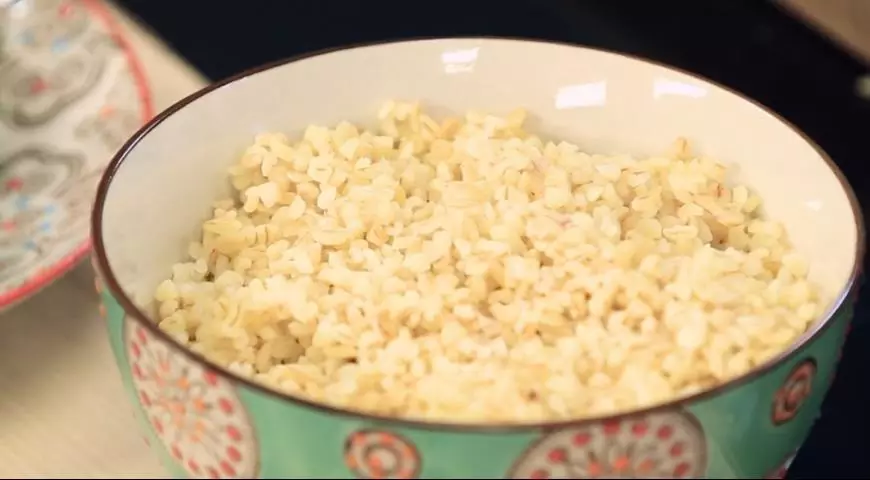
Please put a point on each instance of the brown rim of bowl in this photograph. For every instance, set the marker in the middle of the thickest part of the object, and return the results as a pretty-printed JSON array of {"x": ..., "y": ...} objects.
[{"x": 131, "y": 309}]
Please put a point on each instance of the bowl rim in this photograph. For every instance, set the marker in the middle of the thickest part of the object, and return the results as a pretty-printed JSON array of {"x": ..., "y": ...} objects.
[{"x": 848, "y": 293}]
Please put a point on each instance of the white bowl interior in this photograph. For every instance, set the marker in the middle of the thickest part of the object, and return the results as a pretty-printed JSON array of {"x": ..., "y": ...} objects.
[{"x": 604, "y": 102}]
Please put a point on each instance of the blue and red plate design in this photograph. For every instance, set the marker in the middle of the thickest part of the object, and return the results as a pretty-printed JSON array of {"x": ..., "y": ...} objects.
[{"x": 71, "y": 92}]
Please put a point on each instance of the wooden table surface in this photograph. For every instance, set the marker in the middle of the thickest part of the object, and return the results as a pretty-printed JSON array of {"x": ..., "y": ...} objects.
[{"x": 845, "y": 21}]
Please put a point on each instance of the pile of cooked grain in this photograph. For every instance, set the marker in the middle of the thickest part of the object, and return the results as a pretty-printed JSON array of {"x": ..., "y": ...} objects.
[{"x": 466, "y": 270}]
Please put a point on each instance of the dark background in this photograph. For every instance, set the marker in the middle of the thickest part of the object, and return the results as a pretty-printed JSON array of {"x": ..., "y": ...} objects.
[{"x": 749, "y": 45}]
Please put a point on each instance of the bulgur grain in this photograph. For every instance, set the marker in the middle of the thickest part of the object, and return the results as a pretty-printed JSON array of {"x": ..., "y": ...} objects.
[{"x": 466, "y": 270}]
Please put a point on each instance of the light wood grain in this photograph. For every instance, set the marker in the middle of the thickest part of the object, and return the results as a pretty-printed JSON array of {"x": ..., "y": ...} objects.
[
  {"x": 845, "y": 21},
  {"x": 63, "y": 413}
]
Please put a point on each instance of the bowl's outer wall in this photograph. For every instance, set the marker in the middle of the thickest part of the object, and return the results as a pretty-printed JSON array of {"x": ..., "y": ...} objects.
[{"x": 741, "y": 439}]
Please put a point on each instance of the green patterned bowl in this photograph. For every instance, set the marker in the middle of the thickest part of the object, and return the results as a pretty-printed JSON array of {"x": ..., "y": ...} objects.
[{"x": 204, "y": 421}]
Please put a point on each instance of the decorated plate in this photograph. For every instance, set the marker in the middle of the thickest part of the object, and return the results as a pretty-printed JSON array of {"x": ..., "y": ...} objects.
[{"x": 71, "y": 92}]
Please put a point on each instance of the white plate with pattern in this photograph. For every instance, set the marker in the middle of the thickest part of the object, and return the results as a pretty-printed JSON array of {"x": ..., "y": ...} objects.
[{"x": 71, "y": 92}]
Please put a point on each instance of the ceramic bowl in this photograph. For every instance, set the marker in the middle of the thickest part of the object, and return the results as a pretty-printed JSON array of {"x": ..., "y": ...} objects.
[
  {"x": 205, "y": 421},
  {"x": 71, "y": 92}
]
